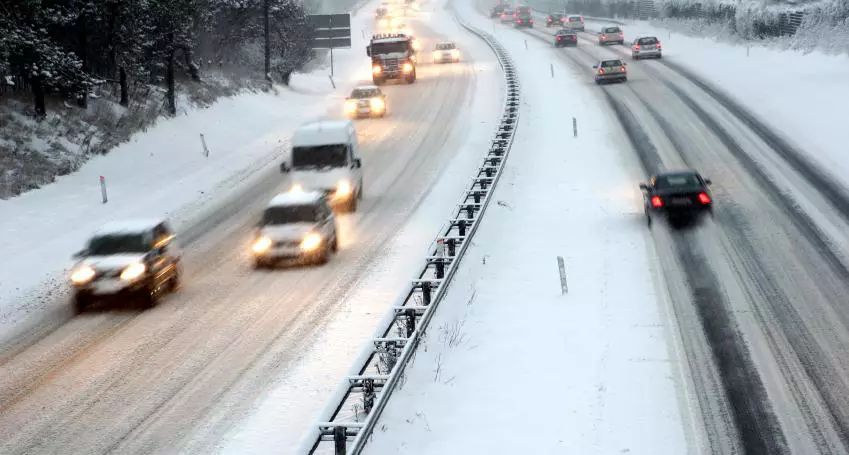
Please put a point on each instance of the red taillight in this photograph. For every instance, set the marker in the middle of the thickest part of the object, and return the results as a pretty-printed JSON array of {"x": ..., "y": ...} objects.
[
  {"x": 559, "y": 38},
  {"x": 600, "y": 71},
  {"x": 530, "y": 21},
  {"x": 704, "y": 198},
  {"x": 656, "y": 201},
  {"x": 637, "y": 46},
  {"x": 622, "y": 68}
]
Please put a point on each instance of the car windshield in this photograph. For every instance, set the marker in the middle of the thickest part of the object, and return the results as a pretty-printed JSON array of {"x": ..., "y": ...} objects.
[
  {"x": 363, "y": 93},
  {"x": 677, "y": 181},
  {"x": 391, "y": 47},
  {"x": 611, "y": 63},
  {"x": 289, "y": 214},
  {"x": 106, "y": 245},
  {"x": 647, "y": 40},
  {"x": 611, "y": 30},
  {"x": 320, "y": 156}
]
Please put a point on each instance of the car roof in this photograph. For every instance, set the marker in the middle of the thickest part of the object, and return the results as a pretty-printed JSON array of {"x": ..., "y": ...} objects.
[
  {"x": 446, "y": 42},
  {"x": 130, "y": 226},
  {"x": 366, "y": 87},
  {"x": 684, "y": 173},
  {"x": 296, "y": 198},
  {"x": 611, "y": 60}
]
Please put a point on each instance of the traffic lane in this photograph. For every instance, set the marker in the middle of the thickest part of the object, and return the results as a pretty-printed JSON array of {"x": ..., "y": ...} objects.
[{"x": 150, "y": 367}]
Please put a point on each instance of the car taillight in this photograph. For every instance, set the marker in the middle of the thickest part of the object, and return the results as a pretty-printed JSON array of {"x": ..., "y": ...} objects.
[
  {"x": 704, "y": 198},
  {"x": 559, "y": 38},
  {"x": 656, "y": 201},
  {"x": 600, "y": 71},
  {"x": 637, "y": 47},
  {"x": 622, "y": 68},
  {"x": 658, "y": 44},
  {"x": 530, "y": 21}
]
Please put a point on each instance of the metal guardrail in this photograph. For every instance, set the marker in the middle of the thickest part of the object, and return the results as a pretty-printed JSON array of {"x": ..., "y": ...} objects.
[{"x": 356, "y": 405}]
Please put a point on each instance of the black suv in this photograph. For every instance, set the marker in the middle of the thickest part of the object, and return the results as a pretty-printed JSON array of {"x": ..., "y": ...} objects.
[
  {"x": 127, "y": 259},
  {"x": 682, "y": 196}
]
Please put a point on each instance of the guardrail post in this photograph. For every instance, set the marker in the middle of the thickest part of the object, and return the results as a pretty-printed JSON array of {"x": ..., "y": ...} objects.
[
  {"x": 477, "y": 196},
  {"x": 470, "y": 211},
  {"x": 452, "y": 247},
  {"x": 411, "y": 321},
  {"x": 368, "y": 395},
  {"x": 340, "y": 439},
  {"x": 461, "y": 227},
  {"x": 440, "y": 270},
  {"x": 426, "y": 292}
]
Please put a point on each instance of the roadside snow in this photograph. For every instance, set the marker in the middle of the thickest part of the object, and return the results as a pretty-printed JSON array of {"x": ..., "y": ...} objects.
[
  {"x": 800, "y": 95},
  {"x": 161, "y": 172},
  {"x": 511, "y": 366},
  {"x": 282, "y": 417}
]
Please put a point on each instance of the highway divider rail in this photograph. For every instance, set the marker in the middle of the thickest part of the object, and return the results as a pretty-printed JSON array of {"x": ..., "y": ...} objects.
[{"x": 347, "y": 422}]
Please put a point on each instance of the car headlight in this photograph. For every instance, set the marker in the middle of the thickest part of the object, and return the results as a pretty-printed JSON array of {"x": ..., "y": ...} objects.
[
  {"x": 343, "y": 188},
  {"x": 350, "y": 107},
  {"x": 296, "y": 188},
  {"x": 376, "y": 69},
  {"x": 377, "y": 104},
  {"x": 408, "y": 68},
  {"x": 311, "y": 242},
  {"x": 455, "y": 53},
  {"x": 133, "y": 271},
  {"x": 82, "y": 275},
  {"x": 261, "y": 245},
  {"x": 416, "y": 45}
]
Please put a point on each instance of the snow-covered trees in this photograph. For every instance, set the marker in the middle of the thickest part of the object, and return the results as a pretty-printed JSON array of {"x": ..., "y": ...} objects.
[{"x": 64, "y": 47}]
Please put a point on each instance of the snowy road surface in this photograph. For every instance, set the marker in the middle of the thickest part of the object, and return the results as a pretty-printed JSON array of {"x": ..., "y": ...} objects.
[
  {"x": 178, "y": 377},
  {"x": 757, "y": 293}
]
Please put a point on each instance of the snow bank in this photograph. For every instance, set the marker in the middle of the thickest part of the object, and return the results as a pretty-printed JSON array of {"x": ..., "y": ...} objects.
[
  {"x": 509, "y": 365},
  {"x": 801, "y": 96},
  {"x": 162, "y": 172}
]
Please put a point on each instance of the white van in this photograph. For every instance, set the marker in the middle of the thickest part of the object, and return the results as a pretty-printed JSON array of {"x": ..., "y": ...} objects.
[{"x": 326, "y": 157}]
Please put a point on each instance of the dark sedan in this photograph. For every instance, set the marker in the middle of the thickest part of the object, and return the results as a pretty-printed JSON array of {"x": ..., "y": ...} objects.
[
  {"x": 565, "y": 38},
  {"x": 682, "y": 196}
]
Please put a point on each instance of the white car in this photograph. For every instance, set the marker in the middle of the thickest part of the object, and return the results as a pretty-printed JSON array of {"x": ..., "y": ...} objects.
[
  {"x": 574, "y": 22},
  {"x": 133, "y": 258},
  {"x": 366, "y": 101},
  {"x": 446, "y": 52},
  {"x": 326, "y": 157},
  {"x": 295, "y": 225},
  {"x": 646, "y": 46}
]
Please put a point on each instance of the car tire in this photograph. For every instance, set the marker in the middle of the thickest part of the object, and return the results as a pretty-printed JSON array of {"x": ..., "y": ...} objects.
[
  {"x": 174, "y": 282},
  {"x": 261, "y": 264},
  {"x": 334, "y": 247},
  {"x": 81, "y": 302},
  {"x": 634, "y": 57},
  {"x": 149, "y": 297},
  {"x": 351, "y": 206},
  {"x": 659, "y": 56},
  {"x": 324, "y": 256}
]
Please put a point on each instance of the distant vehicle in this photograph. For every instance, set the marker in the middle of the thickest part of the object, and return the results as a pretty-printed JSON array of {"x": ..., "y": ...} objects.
[
  {"x": 611, "y": 35},
  {"x": 496, "y": 11},
  {"x": 564, "y": 38},
  {"x": 575, "y": 22},
  {"x": 612, "y": 70},
  {"x": 523, "y": 9},
  {"x": 392, "y": 57},
  {"x": 381, "y": 12},
  {"x": 681, "y": 196},
  {"x": 446, "y": 52},
  {"x": 366, "y": 101},
  {"x": 295, "y": 225},
  {"x": 506, "y": 16},
  {"x": 555, "y": 20},
  {"x": 326, "y": 157},
  {"x": 136, "y": 258},
  {"x": 523, "y": 20},
  {"x": 647, "y": 46}
]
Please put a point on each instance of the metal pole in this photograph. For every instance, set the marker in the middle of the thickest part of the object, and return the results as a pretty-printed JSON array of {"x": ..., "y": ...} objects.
[{"x": 331, "y": 46}]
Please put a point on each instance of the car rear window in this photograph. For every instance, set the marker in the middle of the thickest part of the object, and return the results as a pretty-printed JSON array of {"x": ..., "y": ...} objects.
[
  {"x": 611, "y": 63},
  {"x": 677, "y": 181},
  {"x": 611, "y": 30},
  {"x": 445, "y": 46},
  {"x": 574, "y": 19},
  {"x": 650, "y": 40}
]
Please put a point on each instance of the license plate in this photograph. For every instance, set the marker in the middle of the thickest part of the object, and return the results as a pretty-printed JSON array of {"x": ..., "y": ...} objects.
[
  {"x": 364, "y": 110},
  {"x": 681, "y": 201},
  {"x": 107, "y": 286}
]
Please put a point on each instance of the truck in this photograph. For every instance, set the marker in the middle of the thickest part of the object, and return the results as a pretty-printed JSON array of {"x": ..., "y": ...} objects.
[{"x": 393, "y": 56}]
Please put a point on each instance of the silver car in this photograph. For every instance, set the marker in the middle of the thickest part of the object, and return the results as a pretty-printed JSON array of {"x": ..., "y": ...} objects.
[
  {"x": 295, "y": 225},
  {"x": 647, "y": 46},
  {"x": 574, "y": 22},
  {"x": 612, "y": 70},
  {"x": 446, "y": 52},
  {"x": 611, "y": 35}
]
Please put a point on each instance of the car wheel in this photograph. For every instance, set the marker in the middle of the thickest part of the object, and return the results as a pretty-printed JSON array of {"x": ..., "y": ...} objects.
[
  {"x": 324, "y": 256},
  {"x": 351, "y": 206},
  {"x": 150, "y": 296},
  {"x": 261, "y": 264},
  {"x": 81, "y": 302},
  {"x": 634, "y": 57},
  {"x": 174, "y": 282},
  {"x": 335, "y": 245},
  {"x": 659, "y": 56}
]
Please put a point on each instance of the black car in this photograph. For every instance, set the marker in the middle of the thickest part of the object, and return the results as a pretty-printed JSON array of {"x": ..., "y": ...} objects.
[
  {"x": 682, "y": 196},
  {"x": 523, "y": 20},
  {"x": 565, "y": 38},
  {"x": 555, "y": 20},
  {"x": 496, "y": 11}
]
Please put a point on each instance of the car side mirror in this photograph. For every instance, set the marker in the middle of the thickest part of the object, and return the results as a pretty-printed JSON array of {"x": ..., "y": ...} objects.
[
  {"x": 358, "y": 163},
  {"x": 284, "y": 168},
  {"x": 79, "y": 254},
  {"x": 644, "y": 187},
  {"x": 708, "y": 182},
  {"x": 368, "y": 50}
]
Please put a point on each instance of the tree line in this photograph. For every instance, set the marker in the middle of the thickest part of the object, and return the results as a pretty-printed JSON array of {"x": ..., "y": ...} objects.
[{"x": 69, "y": 47}]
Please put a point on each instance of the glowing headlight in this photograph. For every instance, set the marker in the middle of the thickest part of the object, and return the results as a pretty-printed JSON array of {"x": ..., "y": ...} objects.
[
  {"x": 311, "y": 242},
  {"x": 82, "y": 275},
  {"x": 344, "y": 188},
  {"x": 296, "y": 188},
  {"x": 377, "y": 104},
  {"x": 416, "y": 45},
  {"x": 383, "y": 23},
  {"x": 376, "y": 69},
  {"x": 455, "y": 53},
  {"x": 133, "y": 271},
  {"x": 350, "y": 107},
  {"x": 408, "y": 68},
  {"x": 261, "y": 245}
]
